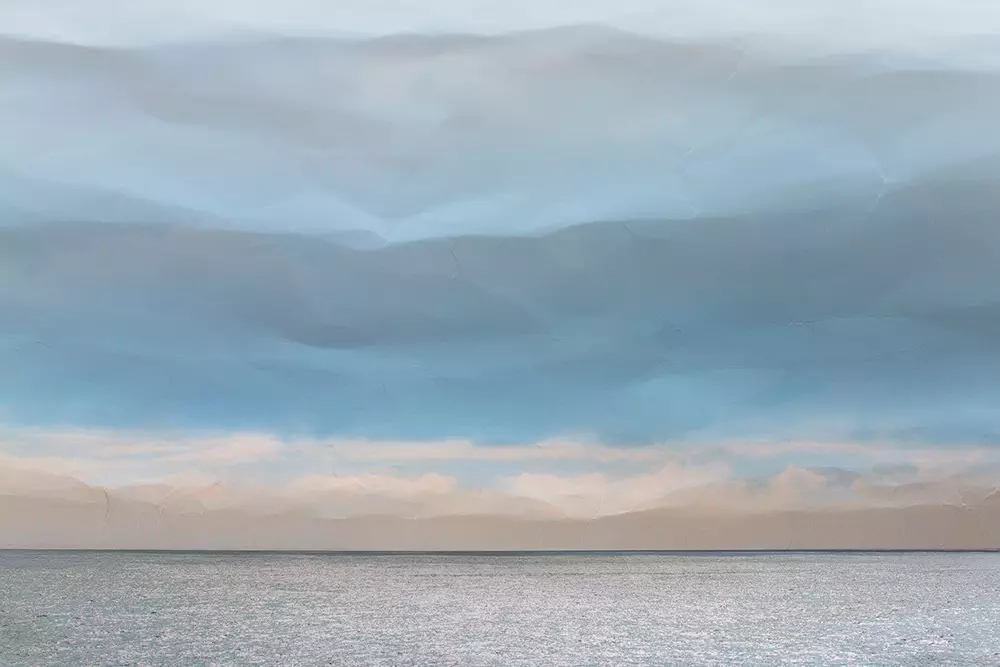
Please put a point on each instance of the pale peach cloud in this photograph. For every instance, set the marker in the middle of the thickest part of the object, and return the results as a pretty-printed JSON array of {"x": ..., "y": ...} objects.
[
  {"x": 240, "y": 449},
  {"x": 557, "y": 477},
  {"x": 122, "y": 458},
  {"x": 248, "y": 447},
  {"x": 596, "y": 493},
  {"x": 386, "y": 485},
  {"x": 792, "y": 508},
  {"x": 252, "y": 446},
  {"x": 466, "y": 450},
  {"x": 229, "y": 448},
  {"x": 878, "y": 452}
]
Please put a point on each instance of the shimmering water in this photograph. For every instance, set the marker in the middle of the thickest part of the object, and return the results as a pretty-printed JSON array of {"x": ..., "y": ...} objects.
[{"x": 92, "y": 608}]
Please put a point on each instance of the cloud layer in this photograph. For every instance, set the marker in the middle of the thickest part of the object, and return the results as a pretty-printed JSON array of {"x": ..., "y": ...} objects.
[
  {"x": 505, "y": 239},
  {"x": 503, "y": 267},
  {"x": 332, "y": 478}
]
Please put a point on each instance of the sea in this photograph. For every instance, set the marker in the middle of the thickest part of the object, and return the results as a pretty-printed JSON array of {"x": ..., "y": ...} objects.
[{"x": 764, "y": 609}]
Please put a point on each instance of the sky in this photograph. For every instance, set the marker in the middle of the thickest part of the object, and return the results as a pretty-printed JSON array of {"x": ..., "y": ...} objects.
[{"x": 549, "y": 261}]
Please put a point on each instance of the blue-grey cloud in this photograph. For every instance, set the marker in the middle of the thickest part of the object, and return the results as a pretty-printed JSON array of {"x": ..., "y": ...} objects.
[{"x": 578, "y": 231}]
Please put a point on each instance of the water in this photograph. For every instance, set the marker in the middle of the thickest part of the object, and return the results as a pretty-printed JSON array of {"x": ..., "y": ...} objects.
[{"x": 139, "y": 608}]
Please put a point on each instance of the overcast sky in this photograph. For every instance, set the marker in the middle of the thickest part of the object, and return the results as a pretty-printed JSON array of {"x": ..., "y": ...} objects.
[{"x": 749, "y": 254}]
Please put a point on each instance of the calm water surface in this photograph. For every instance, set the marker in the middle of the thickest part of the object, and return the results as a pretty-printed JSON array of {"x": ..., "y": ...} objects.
[{"x": 92, "y": 608}]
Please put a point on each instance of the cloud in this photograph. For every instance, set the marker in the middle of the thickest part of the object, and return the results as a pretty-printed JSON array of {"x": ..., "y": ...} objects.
[
  {"x": 557, "y": 477},
  {"x": 595, "y": 494},
  {"x": 121, "y": 457},
  {"x": 431, "y": 484},
  {"x": 264, "y": 475},
  {"x": 713, "y": 489},
  {"x": 395, "y": 273},
  {"x": 665, "y": 345},
  {"x": 464, "y": 450},
  {"x": 883, "y": 455},
  {"x": 805, "y": 508},
  {"x": 26, "y": 482},
  {"x": 804, "y": 23}
]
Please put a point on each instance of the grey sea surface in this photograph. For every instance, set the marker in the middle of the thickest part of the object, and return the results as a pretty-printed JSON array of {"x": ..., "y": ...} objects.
[{"x": 546, "y": 609}]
